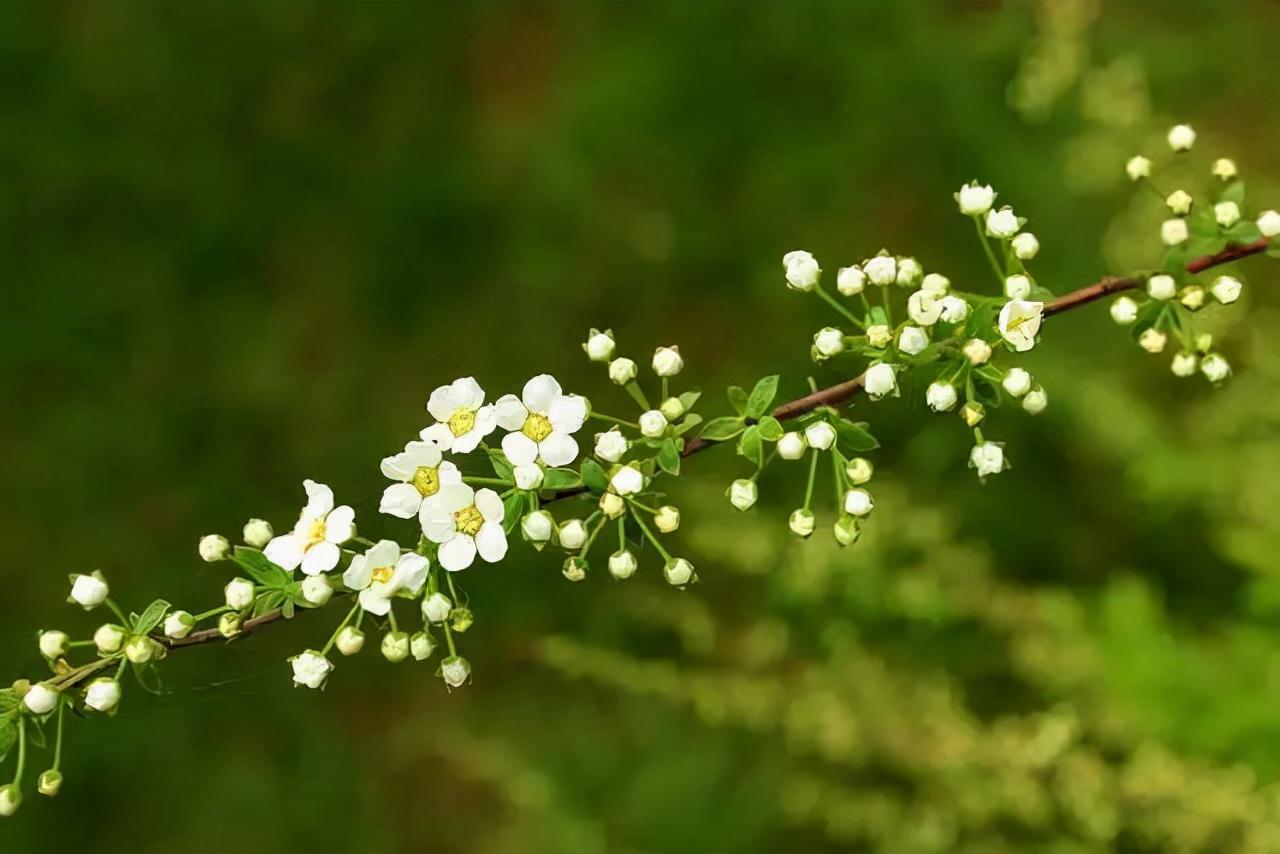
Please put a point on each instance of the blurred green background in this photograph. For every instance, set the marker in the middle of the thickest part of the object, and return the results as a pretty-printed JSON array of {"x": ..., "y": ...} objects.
[{"x": 242, "y": 242}]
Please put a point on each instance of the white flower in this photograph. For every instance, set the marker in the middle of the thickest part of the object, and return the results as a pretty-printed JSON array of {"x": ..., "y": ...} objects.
[
  {"x": 791, "y": 446},
  {"x": 537, "y": 527},
  {"x": 912, "y": 340},
  {"x": 1026, "y": 246},
  {"x": 462, "y": 419},
  {"x": 257, "y": 533},
  {"x": 310, "y": 669},
  {"x": 802, "y": 270},
  {"x": 940, "y": 396},
  {"x": 178, "y": 624},
  {"x": 1035, "y": 401},
  {"x": 599, "y": 346},
  {"x": 463, "y": 522},
  {"x": 925, "y": 307},
  {"x": 678, "y": 572},
  {"x": 1152, "y": 340},
  {"x": 1181, "y": 137},
  {"x": 455, "y": 671},
  {"x": 542, "y": 420},
  {"x": 1124, "y": 311},
  {"x": 40, "y": 699},
  {"x": 89, "y": 591},
  {"x": 1003, "y": 223},
  {"x": 667, "y": 519},
  {"x": 653, "y": 424},
  {"x": 881, "y": 270},
  {"x": 828, "y": 341},
  {"x": 1224, "y": 168},
  {"x": 316, "y": 590},
  {"x": 987, "y": 458},
  {"x": 572, "y": 534},
  {"x": 851, "y": 280},
  {"x": 1226, "y": 289},
  {"x": 214, "y": 547},
  {"x": 239, "y": 593},
  {"x": 1215, "y": 368},
  {"x": 820, "y": 435},
  {"x": 611, "y": 445},
  {"x": 954, "y": 309},
  {"x": 1179, "y": 202},
  {"x": 935, "y": 284},
  {"x": 313, "y": 542},
  {"x": 977, "y": 351},
  {"x": 857, "y": 502},
  {"x": 1173, "y": 231},
  {"x": 421, "y": 646},
  {"x": 627, "y": 480},
  {"x": 1226, "y": 213},
  {"x": 108, "y": 638},
  {"x": 1162, "y": 287},
  {"x": 909, "y": 272},
  {"x": 1269, "y": 223},
  {"x": 743, "y": 493},
  {"x": 667, "y": 361},
  {"x": 881, "y": 379},
  {"x": 1019, "y": 323},
  {"x": 382, "y": 572},
  {"x": 103, "y": 694},
  {"x": 1138, "y": 167},
  {"x": 801, "y": 522},
  {"x": 1184, "y": 364},
  {"x": 436, "y": 608},
  {"x": 859, "y": 470},
  {"x": 395, "y": 646},
  {"x": 879, "y": 334},
  {"x": 622, "y": 371},
  {"x": 975, "y": 199},
  {"x": 419, "y": 472},
  {"x": 623, "y": 564},
  {"x": 1017, "y": 382},
  {"x": 1017, "y": 286},
  {"x": 54, "y": 644}
]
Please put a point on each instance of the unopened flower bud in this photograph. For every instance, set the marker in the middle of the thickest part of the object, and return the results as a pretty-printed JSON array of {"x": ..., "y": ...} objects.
[
  {"x": 925, "y": 307},
  {"x": 1192, "y": 297},
  {"x": 954, "y": 309},
  {"x": 1203, "y": 342},
  {"x": 316, "y": 590},
  {"x": 1215, "y": 368},
  {"x": 572, "y": 534},
  {"x": 257, "y": 533},
  {"x": 667, "y": 519},
  {"x": 436, "y": 608},
  {"x": 622, "y": 370},
  {"x": 941, "y": 396},
  {"x": 1162, "y": 287},
  {"x": 178, "y": 624},
  {"x": 89, "y": 591},
  {"x": 1124, "y": 311},
  {"x": 611, "y": 445},
  {"x": 103, "y": 694},
  {"x": 49, "y": 783},
  {"x": 882, "y": 269},
  {"x": 1017, "y": 382},
  {"x": 791, "y": 446},
  {"x": 846, "y": 530},
  {"x": 529, "y": 477},
  {"x": 1179, "y": 202},
  {"x": 881, "y": 379},
  {"x": 972, "y": 413},
  {"x": 828, "y": 342},
  {"x": 1226, "y": 289},
  {"x": 1224, "y": 168},
  {"x": 10, "y": 799},
  {"x": 1226, "y": 213},
  {"x": 857, "y": 502},
  {"x": 671, "y": 409},
  {"x": 575, "y": 568},
  {"x": 743, "y": 493},
  {"x": 40, "y": 699},
  {"x": 1152, "y": 340},
  {"x": 239, "y": 593},
  {"x": 310, "y": 669},
  {"x": 537, "y": 528},
  {"x": 801, "y": 522},
  {"x": 1185, "y": 364},
  {"x": 1174, "y": 231},
  {"x": 802, "y": 270},
  {"x": 909, "y": 272},
  {"x": 612, "y": 505},
  {"x": 627, "y": 480},
  {"x": 229, "y": 624},
  {"x": 395, "y": 646},
  {"x": 987, "y": 458},
  {"x": 421, "y": 646},
  {"x": 1269, "y": 223},
  {"x": 820, "y": 435},
  {"x": 622, "y": 564},
  {"x": 1003, "y": 223},
  {"x": 599, "y": 346},
  {"x": 350, "y": 640},
  {"x": 53, "y": 644},
  {"x": 912, "y": 340},
  {"x": 879, "y": 334},
  {"x": 1138, "y": 168},
  {"x": 455, "y": 671},
  {"x": 214, "y": 547},
  {"x": 975, "y": 199},
  {"x": 851, "y": 280},
  {"x": 977, "y": 351},
  {"x": 1035, "y": 401},
  {"x": 108, "y": 638},
  {"x": 1017, "y": 286},
  {"x": 679, "y": 572},
  {"x": 1026, "y": 246},
  {"x": 461, "y": 619},
  {"x": 1181, "y": 137},
  {"x": 859, "y": 470},
  {"x": 653, "y": 424},
  {"x": 140, "y": 650},
  {"x": 667, "y": 361}
]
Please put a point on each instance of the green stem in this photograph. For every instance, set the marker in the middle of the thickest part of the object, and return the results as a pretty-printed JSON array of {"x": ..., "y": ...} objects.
[
  {"x": 888, "y": 310},
  {"x": 666, "y": 391},
  {"x": 831, "y": 301},
  {"x": 591, "y": 537},
  {"x": 115, "y": 609},
  {"x": 448, "y": 638},
  {"x": 622, "y": 533},
  {"x": 333, "y": 638},
  {"x": 991, "y": 256},
  {"x": 453, "y": 591},
  {"x": 600, "y": 416},
  {"x": 391, "y": 617},
  {"x": 485, "y": 481},
  {"x": 651, "y": 536},
  {"x": 813, "y": 472},
  {"x": 212, "y": 612},
  {"x": 57, "y": 744},
  {"x": 837, "y": 466},
  {"x": 22, "y": 750},
  {"x": 645, "y": 507}
]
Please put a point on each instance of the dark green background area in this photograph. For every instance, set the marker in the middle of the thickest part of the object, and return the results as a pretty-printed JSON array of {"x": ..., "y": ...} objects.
[{"x": 240, "y": 244}]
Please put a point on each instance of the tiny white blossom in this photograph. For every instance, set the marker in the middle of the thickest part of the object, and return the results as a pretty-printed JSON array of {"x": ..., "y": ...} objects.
[
  {"x": 791, "y": 446},
  {"x": 623, "y": 564},
  {"x": 1019, "y": 323},
  {"x": 909, "y": 272},
  {"x": 801, "y": 522},
  {"x": 178, "y": 624},
  {"x": 1269, "y": 223},
  {"x": 924, "y": 307},
  {"x": 599, "y": 346},
  {"x": 975, "y": 199},
  {"x": 857, "y": 502},
  {"x": 89, "y": 591},
  {"x": 653, "y": 424},
  {"x": 954, "y": 309},
  {"x": 912, "y": 340},
  {"x": 103, "y": 694},
  {"x": 935, "y": 284},
  {"x": 627, "y": 480},
  {"x": 528, "y": 477},
  {"x": 395, "y": 646},
  {"x": 239, "y": 593},
  {"x": 108, "y": 638},
  {"x": 611, "y": 445},
  {"x": 418, "y": 471},
  {"x": 622, "y": 370},
  {"x": 316, "y": 590},
  {"x": 350, "y": 640},
  {"x": 851, "y": 280},
  {"x": 881, "y": 270},
  {"x": 1215, "y": 368},
  {"x": 1026, "y": 246},
  {"x": 40, "y": 699},
  {"x": 828, "y": 342},
  {"x": 1124, "y": 311},
  {"x": 257, "y": 533},
  {"x": 462, "y": 418},
  {"x": 1017, "y": 286},
  {"x": 1226, "y": 213},
  {"x": 1152, "y": 340},
  {"x": 214, "y": 547},
  {"x": 310, "y": 669},
  {"x": 1035, "y": 401},
  {"x": 1224, "y": 168},
  {"x": 667, "y": 519},
  {"x": 679, "y": 572},
  {"x": 572, "y": 534},
  {"x": 859, "y": 470},
  {"x": 537, "y": 527},
  {"x": 941, "y": 396},
  {"x": 1162, "y": 287},
  {"x": 1003, "y": 223},
  {"x": 881, "y": 379},
  {"x": 541, "y": 422},
  {"x": 455, "y": 671},
  {"x": 1181, "y": 137},
  {"x": 743, "y": 493},
  {"x": 321, "y": 529},
  {"x": 987, "y": 458},
  {"x": 820, "y": 435},
  {"x": 53, "y": 644},
  {"x": 1179, "y": 202},
  {"x": 1185, "y": 364},
  {"x": 382, "y": 572},
  {"x": 1138, "y": 167},
  {"x": 612, "y": 505},
  {"x": 802, "y": 270},
  {"x": 977, "y": 351},
  {"x": 1226, "y": 289},
  {"x": 1174, "y": 231},
  {"x": 879, "y": 334},
  {"x": 436, "y": 608},
  {"x": 464, "y": 522},
  {"x": 1017, "y": 382},
  {"x": 667, "y": 361},
  {"x": 421, "y": 646}
]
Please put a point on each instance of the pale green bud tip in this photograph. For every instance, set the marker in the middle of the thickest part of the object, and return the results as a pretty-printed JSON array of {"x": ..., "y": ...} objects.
[
  {"x": 49, "y": 783},
  {"x": 258, "y": 532},
  {"x": 229, "y": 625},
  {"x": 395, "y": 646},
  {"x": 421, "y": 646},
  {"x": 214, "y": 547},
  {"x": 53, "y": 644},
  {"x": 140, "y": 650},
  {"x": 679, "y": 572},
  {"x": 460, "y": 619}
]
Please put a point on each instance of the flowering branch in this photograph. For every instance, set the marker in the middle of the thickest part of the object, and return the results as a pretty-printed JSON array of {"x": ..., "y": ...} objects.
[{"x": 459, "y": 515}]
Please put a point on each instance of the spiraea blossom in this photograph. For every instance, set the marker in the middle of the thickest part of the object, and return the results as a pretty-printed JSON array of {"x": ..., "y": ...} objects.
[
  {"x": 542, "y": 422},
  {"x": 462, "y": 418},
  {"x": 419, "y": 471},
  {"x": 382, "y": 572},
  {"x": 464, "y": 522},
  {"x": 1019, "y": 323},
  {"x": 320, "y": 530}
]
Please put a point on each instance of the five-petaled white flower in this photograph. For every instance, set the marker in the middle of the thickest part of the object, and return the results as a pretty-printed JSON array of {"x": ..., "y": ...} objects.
[
  {"x": 463, "y": 522},
  {"x": 462, "y": 419},
  {"x": 420, "y": 473},
  {"x": 310, "y": 669},
  {"x": 987, "y": 458},
  {"x": 1019, "y": 323},
  {"x": 542, "y": 421},
  {"x": 313, "y": 542},
  {"x": 382, "y": 572}
]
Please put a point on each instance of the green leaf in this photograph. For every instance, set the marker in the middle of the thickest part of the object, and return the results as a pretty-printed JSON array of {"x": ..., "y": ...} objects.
[
  {"x": 1244, "y": 231},
  {"x": 287, "y": 609},
  {"x": 669, "y": 457},
  {"x": 762, "y": 396},
  {"x": 770, "y": 428},
  {"x": 637, "y": 395},
  {"x": 150, "y": 617},
  {"x": 593, "y": 476},
  {"x": 512, "y": 510},
  {"x": 854, "y": 437},
  {"x": 8, "y": 701},
  {"x": 751, "y": 445},
  {"x": 148, "y": 678},
  {"x": 260, "y": 569},
  {"x": 981, "y": 319},
  {"x": 1148, "y": 315},
  {"x": 501, "y": 466},
  {"x": 720, "y": 429},
  {"x": 558, "y": 479},
  {"x": 688, "y": 399},
  {"x": 738, "y": 399},
  {"x": 1234, "y": 193},
  {"x": 268, "y": 602},
  {"x": 877, "y": 317},
  {"x": 690, "y": 421},
  {"x": 8, "y": 735}
]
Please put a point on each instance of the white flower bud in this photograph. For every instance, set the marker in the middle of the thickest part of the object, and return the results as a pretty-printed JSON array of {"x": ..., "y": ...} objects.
[
  {"x": 455, "y": 671},
  {"x": 1017, "y": 382},
  {"x": 421, "y": 646},
  {"x": 846, "y": 530},
  {"x": 1226, "y": 213},
  {"x": 229, "y": 624},
  {"x": 49, "y": 783},
  {"x": 108, "y": 638},
  {"x": 1124, "y": 311},
  {"x": 881, "y": 379},
  {"x": 975, "y": 199},
  {"x": 1181, "y": 137},
  {"x": 881, "y": 270},
  {"x": 1192, "y": 296},
  {"x": 1174, "y": 231},
  {"x": 599, "y": 346},
  {"x": 10, "y": 799},
  {"x": 1017, "y": 286},
  {"x": 612, "y": 505},
  {"x": 316, "y": 590},
  {"x": 528, "y": 476},
  {"x": 791, "y": 446},
  {"x": 572, "y": 534},
  {"x": 909, "y": 272},
  {"x": 54, "y": 644},
  {"x": 1179, "y": 202},
  {"x": 257, "y": 533},
  {"x": 1026, "y": 246},
  {"x": 1224, "y": 168},
  {"x": 1138, "y": 168},
  {"x": 972, "y": 413},
  {"x": 239, "y": 593},
  {"x": 1215, "y": 368},
  {"x": 977, "y": 351},
  {"x": 857, "y": 502},
  {"x": 89, "y": 591},
  {"x": 622, "y": 371},
  {"x": 820, "y": 435},
  {"x": 537, "y": 527},
  {"x": 1162, "y": 287},
  {"x": 941, "y": 396},
  {"x": 801, "y": 522},
  {"x": 879, "y": 334},
  {"x": 622, "y": 564},
  {"x": 859, "y": 470},
  {"x": 103, "y": 694},
  {"x": 214, "y": 547},
  {"x": 1269, "y": 223},
  {"x": 954, "y": 309},
  {"x": 924, "y": 307},
  {"x": 679, "y": 572},
  {"x": 987, "y": 458},
  {"x": 936, "y": 285},
  {"x": 667, "y": 361},
  {"x": 667, "y": 519},
  {"x": 1185, "y": 364},
  {"x": 743, "y": 493},
  {"x": 1152, "y": 340},
  {"x": 178, "y": 624},
  {"x": 851, "y": 280},
  {"x": 671, "y": 408},
  {"x": 436, "y": 607},
  {"x": 1035, "y": 401},
  {"x": 310, "y": 669},
  {"x": 350, "y": 640},
  {"x": 575, "y": 569},
  {"x": 140, "y": 650},
  {"x": 912, "y": 340},
  {"x": 1003, "y": 223},
  {"x": 653, "y": 424},
  {"x": 802, "y": 270},
  {"x": 611, "y": 445},
  {"x": 627, "y": 480},
  {"x": 828, "y": 342},
  {"x": 395, "y": 646},
  {"x": 40, "y": 699}
]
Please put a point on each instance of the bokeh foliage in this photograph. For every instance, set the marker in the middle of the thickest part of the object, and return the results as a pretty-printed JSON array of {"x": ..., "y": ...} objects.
[{"x": 242, "y": 242}]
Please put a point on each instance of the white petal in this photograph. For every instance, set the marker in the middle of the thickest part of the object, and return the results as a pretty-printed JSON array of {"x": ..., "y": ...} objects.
[
  {"x": 340, "y": 525},
  {"x": 449, "y": 474},
  {"x": 422, "y": 454},
  {"x": 319, "y": 498},
  {"x": 454, "y": 497},
  {"x": 359, "y": 574},
  {"x": 439, "y": 435},
  {"x": 491, "y": 540},
  {"x": 375, "y": 602},
  {"x": 401, "y": 500},
  {"x": 519, "y": 448},
  {"x": 539, "y": 392},
  {"x": 458, "y": 553},
  {"x": 466, "y": 393},
  {"x": 568, "y": 413},
  {"x": 438, "y": 526},
  {"x": 383, "y": 553},
  {"x": 438, "y": 404},
  {"x": 489, "y": 505},
  {"x": 558, "y": 449},
  {"x": 411, "y": 572},
  {"x": 510, "y": 412},
  {"x": 321, "y": 557},
  {"x": 285, "y": 551},
  {"x": 397, "y": 467}
]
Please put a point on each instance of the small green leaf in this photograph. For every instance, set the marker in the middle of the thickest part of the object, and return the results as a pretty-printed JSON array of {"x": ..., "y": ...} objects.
[
  {"x": 8, "y": 736},
  {"x": 669, "y": 457},
  {"x": 1234, "y": 193},
  {"x": 770, "y": 428},
  {"x": 762, "y": 396},
  {"x": 690, "y": 421},
  {"x": 593, "y": 476},
  {"x": 720, "y": 429},
  {"x": 738, "y": 399},
  {"x": 558, "y": 479},
  {"x": 268, "y": 602},
  {"x": 512, "y": 510},
  {"x": 150, "y": 617},
  {"x": 981, "y": 319},
  {"x": 877, "y": 317},
  {"x": 8, "y": 701},
  {"x": 287, "y": 609},
  {"x": 1244, "y": 231},
  {"x": 751, "y": 445},
  {"x": 501, "y": 465},
  {"x": 854, "y": 436},
  {"x": 260, "y": 569},
  {"x": 637, "y": 395},
  {"x": 688, "y": 399}
]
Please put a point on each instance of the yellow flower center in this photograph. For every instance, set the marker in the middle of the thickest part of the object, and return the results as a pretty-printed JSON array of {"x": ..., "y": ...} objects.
[
  {"x": 383, "y": 574},
  {"x": 317, "y": 532},
  {"x": 426, "y": 480},
  {"x": 461, "y": 421},
  {"x": 537, "y": 427},
  {"x": 468, "y": 520}
]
